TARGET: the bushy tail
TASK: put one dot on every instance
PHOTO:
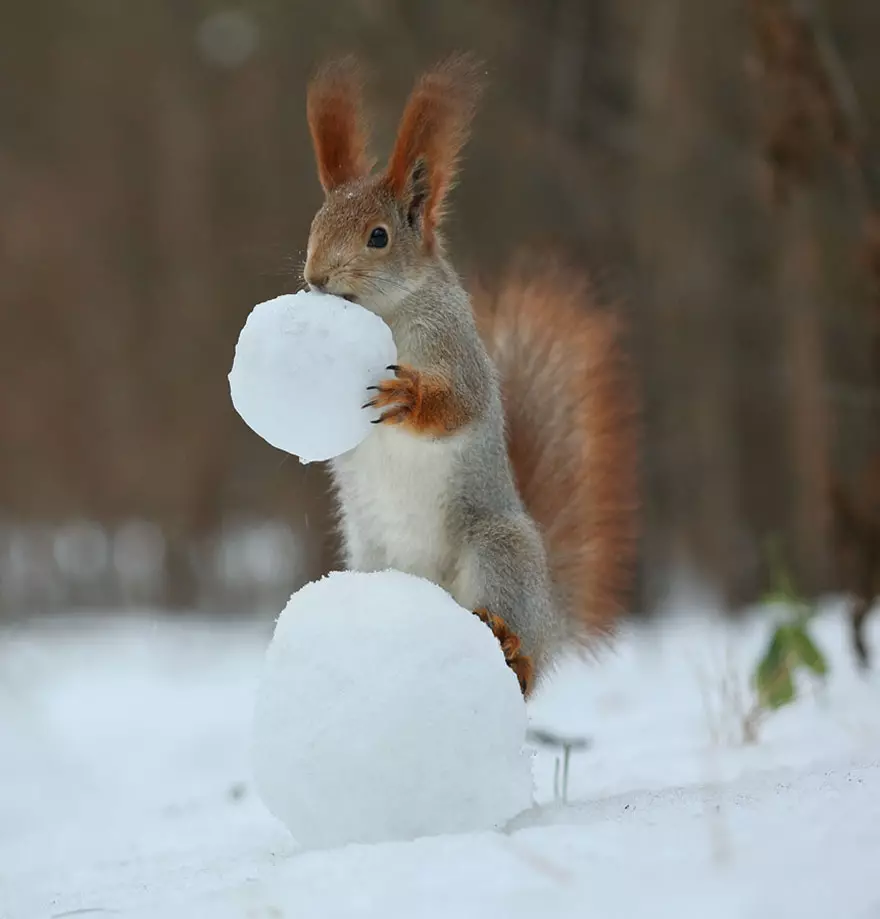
(571, 418)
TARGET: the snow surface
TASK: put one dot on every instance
(126, 790)
(386, 711)
(301, 369)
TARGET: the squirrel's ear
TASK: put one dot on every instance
(432, 131)
(336, 122)
(415, 194)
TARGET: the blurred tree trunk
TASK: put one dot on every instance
(799, 289)
(678, 214)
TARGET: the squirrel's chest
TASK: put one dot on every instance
(394, 492)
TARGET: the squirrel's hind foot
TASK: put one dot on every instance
(519, 663)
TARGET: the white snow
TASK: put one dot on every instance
(387, 712)
(301, 369)
(125, 788)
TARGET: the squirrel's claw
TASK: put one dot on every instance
(394, 415)
(521, 664)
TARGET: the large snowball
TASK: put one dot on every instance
(386, 711)
(302, 366)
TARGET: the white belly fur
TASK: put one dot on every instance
(393, 490)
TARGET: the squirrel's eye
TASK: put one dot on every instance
(378, 238)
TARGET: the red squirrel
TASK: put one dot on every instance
(503, 466)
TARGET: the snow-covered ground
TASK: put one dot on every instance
(125, 788)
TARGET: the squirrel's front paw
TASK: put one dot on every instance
(519, 663)
(401, 396)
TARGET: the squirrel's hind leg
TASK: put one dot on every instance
(502, 576)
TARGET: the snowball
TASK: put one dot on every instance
(386, 711)
(302, 366)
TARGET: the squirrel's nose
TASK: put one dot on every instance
(316, 281)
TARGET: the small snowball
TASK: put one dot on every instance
(302, 366)
(386, 712)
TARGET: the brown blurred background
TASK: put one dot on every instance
(709, 160)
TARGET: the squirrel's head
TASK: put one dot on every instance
(375, 239)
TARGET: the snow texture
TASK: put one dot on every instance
(302, 366)
(125, 788)
(386, 712)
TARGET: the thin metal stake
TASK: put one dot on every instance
(566, 755)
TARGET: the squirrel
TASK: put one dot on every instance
(503, 464)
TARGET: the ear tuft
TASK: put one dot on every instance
(336, 122)
(432, 132)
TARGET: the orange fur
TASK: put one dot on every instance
(433, 129)
(521, 664)
(336, 124)
(571, 413)
(423, 402)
